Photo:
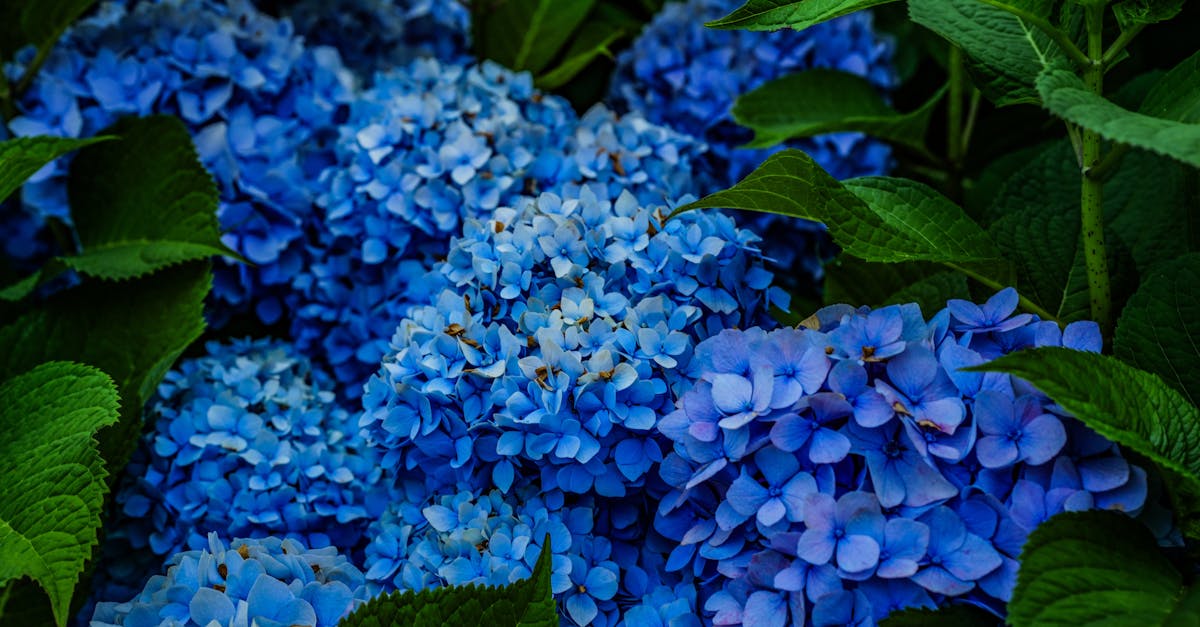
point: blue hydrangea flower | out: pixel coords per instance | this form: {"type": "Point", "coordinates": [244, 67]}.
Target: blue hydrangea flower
{"type": "Point", "coordinates": [881, 476]}
{"type": "Point", "coordinates": [687, 77]}
{"type": "Point", "coordinates": [435, 145]}
{"type": "Point", "coordinates": [259, 104]}
{"type": "Point", "coordinates": [248, 441]}
{"type": "Point", "coordinates": [268, 582]}
{"type": "Point", "coordinates": [540, 357]}
{"type": "Point", "coordinates": [374, 35]}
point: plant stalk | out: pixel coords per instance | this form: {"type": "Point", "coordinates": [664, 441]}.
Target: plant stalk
{"type": "Point", "coordinates": [1092, 190]}
{"type": "Point", "coordinates": [954, 123]}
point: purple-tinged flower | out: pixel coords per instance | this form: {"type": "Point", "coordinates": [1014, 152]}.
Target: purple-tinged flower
{"type": "Point", "coordinates": [956, 559]}
{"type": "Point", "coordinates": [995, 315]}
{"type": "Point", "coordinates": [1015, 431]}
{"type": "Point", "coordinates": [815, 429]}
{"type": "Point", "coordinates": [919, 389]}
{"type": "Point", "coordinates": [846, 608]}
{"type": "Point", "coordinates": [783, 496]}
{"type": "Point", "coordinates": [898, 472]}
{"type": "Point", "coordinates": [848, 531]}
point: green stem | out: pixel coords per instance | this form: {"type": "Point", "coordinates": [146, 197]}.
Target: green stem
{"type": "Point", "coordinates": [1091, 198]}
{"type": "Point", "coordinates": [1109, 163]}
{"type": "Point", "coordinates": [1126, 36]}
{"type": "Point", "coordinates": [954, 123]}
{"type": "Point", "coordinates": [1025, 303]}
{"type": "Point", "coordinates": [972, 115]}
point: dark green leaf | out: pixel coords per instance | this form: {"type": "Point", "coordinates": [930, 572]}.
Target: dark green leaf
{"type": "Point", "coordinates": [22, 157]}
{"type": "Point", "coordinates": [1066, 96]}
{"type": "Point", "coordinates": [592, 42]}
{"type": "Point", "coordinates": [1096, 568]}
{"type": "Point", "coordinates": [52, 474]}
{"type": "Point", "coordinates": [1006, 53]}
{"type": "Point", "coordinates": [1132, 13]}
{"type": "Point", "coordinates": [37, 22]}
{"type": "Point", "coordinates": [526, 34]}
{"type": "Point", "coordinates": [1129, 406]}
{"type": "Point", "coordinates": [825, 101]}
{"type": "Point", "coordinates": [1176, 96]}
{"type": "Point", "coordinates": [132, 330]}
{"type": "Point", "coordinates": [529, 602]}
{"type": "Point", "coordinates": [932, 292]}
{"type": "Point", "coordinates": [875, 218]}
{"type": "Point", "coordinates": [797, 14]}
{"type": "Point", "coordinates": [946, 616]}
{"type": "Point", "coordinates": [143, 203]}
{"type": "Point", "coordinates": [1159, 329]}
{"type": "Point", "coordinates": [852, 280]}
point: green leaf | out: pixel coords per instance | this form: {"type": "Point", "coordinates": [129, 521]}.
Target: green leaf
{"type": "Point", "coordinates": [142, 203]}
{"type": "Point", "coordinates": [874, 218]}
{"type": "Point", "coordinates": [37, 22]}
{"type": "Point", "coordinates": [824, 101]}
{"type": "Point", "coordinates": [1129, 406]}
{"type": "Point", "coordinates": [1005, 53]}
{"type": "Point", "coordinates": [932, 292]}
{"type": "Point", "coordinates": [852, 280]}
{"type": "Point", "coordinates": [529, 603]}
{"type": "Point", "coordinates": [1066, 96]}
{"type": "Point", "coordinates": [1132, 13]}
{"type": "Point", "coordinates": [133, 330]}
{"type": "Point", "coordinates": [592, 42]}
{"type": "Point", "coordinates": [1097, 568]}
{"type": "Point", "coordinates": [945, 616]}
{"type": "Point", "coordinates": [797, 14]}
{"type": "Point", "coordinates": [526, 34]}
{"type": "Point", "coordinates": [1176, 96]}
{"type": "Point", "coordinates": [52, 474]}
{"type": "Point", "coordinates": [22, 157]}
{"type": "Point", "coordinates": [1159, 329]}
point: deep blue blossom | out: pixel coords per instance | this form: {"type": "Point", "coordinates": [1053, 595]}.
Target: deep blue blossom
{"type": "Point", "coordinates": [839, 471]}
{"type": "Point", "coordinates": [267, 582]}
{"type": "Point", "coordinates": [685, 76]}
{"type": "Point", "coordinates": [258, 101]}
{"type": "Point", "coordinates": [248, 441]}
{"type": "Point", "coordinates": [435, 145]}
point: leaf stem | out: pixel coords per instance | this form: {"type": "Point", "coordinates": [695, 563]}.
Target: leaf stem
{"type": "Point", "coordinates": [1109, 163]}
{"type": "Point", "coordinates": [987, 281]}
{"type": "Point", "coordinates": [1126, 36]}
{"type": "Point", "coordinates": [1042, 24]}
{"type": "Point", "coordinates": [972, 114]}
{"type": "Point", "coordinates": [954, 122]}
{"type": "Point", "coordinates": [1091, 198]}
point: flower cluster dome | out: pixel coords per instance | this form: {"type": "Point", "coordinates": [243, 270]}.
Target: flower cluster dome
{"type": "Point", "coordinates": [835, 473]}
{"type": "Point", "coordinates": [561, 334]}
{"type": "Point", "coordinates": [266, 582]}
{"type": "Point", "coordinates": [430, 147]}
{"type": "Point", "coordinates": [248, 441]}
{"type": "Point", "coordinates": [259, 103]}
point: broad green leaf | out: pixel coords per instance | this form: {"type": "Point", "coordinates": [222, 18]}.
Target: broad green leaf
{"type": "Point", "coordinates": [22, 157]}
{"type": "Point", "coordinates": [1132, 13]}
{"type": "Point", "coordinates": [932, 292]}
{"type": "Point", "coordinates": [824, 101]}
{"type": "Point", "coordinates": [37, 22]}
{"type": "Point", "coordinates": [1129, 406]}
{"type": "Point", "coordinates": [1159, 329]}
{"type": "Point", "coordinates": [874, 218]}
{"type": "Point", "coordinates": [142, 203]}
{"type": "Point", "coordinates": [1066, 96]}
{"type": "Point", "coordinates": [526, 34]}
{"type": "Point", "coordinates": [133, 330]}
{"type": "Point", "coordinates": [1097, 568]}
{"type": "Point", "coordinates": [53, 476]}
{"type": "Point", "coordinates": [797, 14]}
{"type": "Point", "coordinates": [1176, 96]}
{"type": "Point", "coordinates": [1006, 53]}
{"type": "Point", "coordinates": [592, 42]}
{"type": "Point", "coordinates": [529, 602]}
{"type": "Point", "coordinates": [961, 615]}
{"type": "Point", "coordinates": [852, 280]}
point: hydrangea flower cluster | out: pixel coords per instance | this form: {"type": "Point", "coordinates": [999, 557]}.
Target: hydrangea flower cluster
{"type": "Point", "coordinates": [375, 35]}
{"type": "Point", "coordinates": [687, 76]}
{"type": "Point", "coordinates": [560, 336]}
{"type": "Point", "coordinates": [257, 100]}
{"type": "Point", "coordinates": [425, 149]}
{"type": "Point", "coordinates": [268, 583]}
{"type": "Point", "coordinates": [837, 472]}
{"type": "Point", "coordinates": [248, 442]}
